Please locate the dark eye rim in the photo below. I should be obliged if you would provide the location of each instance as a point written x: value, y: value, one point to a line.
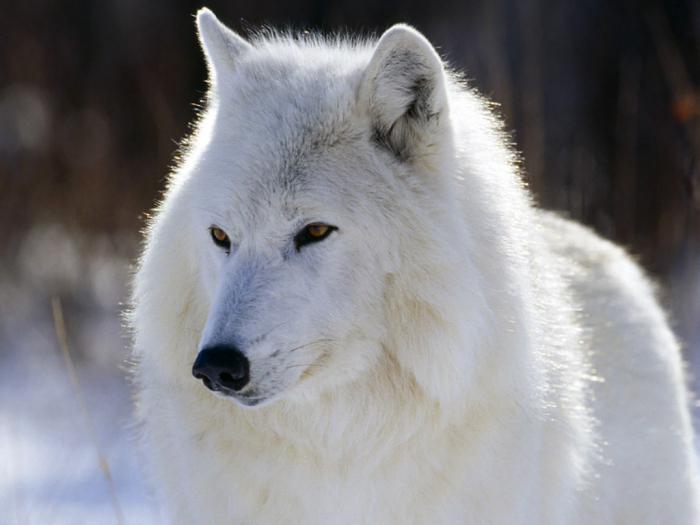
x: 225, y: 244
x: 304, y: 237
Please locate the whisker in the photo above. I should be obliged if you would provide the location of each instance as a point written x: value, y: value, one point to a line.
x: 309, y: 365
x: 317, y: 341
x: 263, y: 336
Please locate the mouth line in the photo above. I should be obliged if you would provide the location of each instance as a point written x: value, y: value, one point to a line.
x: 244, y: 399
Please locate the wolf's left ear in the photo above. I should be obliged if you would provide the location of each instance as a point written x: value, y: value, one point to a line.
x: 405, y: 92
x: 222, y: 47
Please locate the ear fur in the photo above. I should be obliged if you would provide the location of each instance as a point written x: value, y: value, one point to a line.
x: 405, y: 92
x: 221, y: 46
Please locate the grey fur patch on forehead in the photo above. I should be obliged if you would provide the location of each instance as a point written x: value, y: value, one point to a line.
x: 312, y: 73
x: 301, y: 107
x: 291, y: 86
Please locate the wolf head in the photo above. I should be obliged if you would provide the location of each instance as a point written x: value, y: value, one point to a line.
x: 320, y: 195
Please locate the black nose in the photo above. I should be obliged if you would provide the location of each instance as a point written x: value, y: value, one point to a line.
x: 222, y: 368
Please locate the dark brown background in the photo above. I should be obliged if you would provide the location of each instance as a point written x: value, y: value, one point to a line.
x: 601, y: 97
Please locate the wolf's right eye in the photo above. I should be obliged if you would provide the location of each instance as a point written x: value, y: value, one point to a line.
x: 220, y: 238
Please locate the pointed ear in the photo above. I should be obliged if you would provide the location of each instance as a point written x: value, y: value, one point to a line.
x: 221, y: 46
x: 405, y: 92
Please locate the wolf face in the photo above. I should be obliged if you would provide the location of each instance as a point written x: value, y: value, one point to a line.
x: 309, y: 171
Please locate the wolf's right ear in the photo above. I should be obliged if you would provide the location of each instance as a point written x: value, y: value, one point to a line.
x: 404, y: 90
x: 221, y: 45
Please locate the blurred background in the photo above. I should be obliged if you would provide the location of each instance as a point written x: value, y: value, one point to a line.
x: 602, y: 97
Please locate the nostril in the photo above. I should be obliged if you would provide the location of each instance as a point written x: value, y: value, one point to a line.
x: 235, y: 379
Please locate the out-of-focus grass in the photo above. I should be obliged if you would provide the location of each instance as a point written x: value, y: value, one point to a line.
x: 89, y: 425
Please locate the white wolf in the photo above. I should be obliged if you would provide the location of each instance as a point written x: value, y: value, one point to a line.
x: 347, y: 248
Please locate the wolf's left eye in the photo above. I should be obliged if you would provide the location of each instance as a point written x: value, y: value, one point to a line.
x: 311, y: 233
x: 220, y: 238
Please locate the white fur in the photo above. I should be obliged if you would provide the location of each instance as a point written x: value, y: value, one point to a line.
x: 472, y: 359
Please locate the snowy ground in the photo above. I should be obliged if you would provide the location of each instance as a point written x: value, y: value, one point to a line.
x: 49, y: 468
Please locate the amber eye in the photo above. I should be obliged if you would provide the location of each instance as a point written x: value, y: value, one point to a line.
x: 317, y: 230
x: 311, y: 233
x: 220, y: 238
